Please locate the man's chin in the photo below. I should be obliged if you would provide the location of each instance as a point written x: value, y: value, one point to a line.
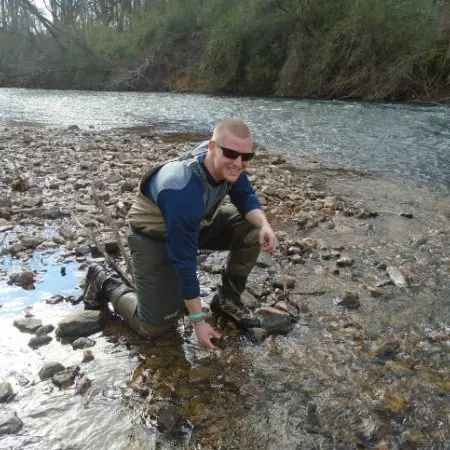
x: 232, y: 178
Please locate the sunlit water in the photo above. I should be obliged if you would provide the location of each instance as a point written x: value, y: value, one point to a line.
x: 320, y: 380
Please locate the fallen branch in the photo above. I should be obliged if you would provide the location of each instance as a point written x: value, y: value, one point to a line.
x: 105, y: 254
x: 116, y: 233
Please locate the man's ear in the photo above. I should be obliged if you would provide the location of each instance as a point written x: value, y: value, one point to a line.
x: 211, y: 145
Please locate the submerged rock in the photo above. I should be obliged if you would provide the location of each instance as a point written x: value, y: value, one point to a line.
x: 65, y: 377
x: 82, y: 342
x: 49, y: 369
x: 9, y: 423
x: 397, y: 277
x: 6, y: 391
x: 349, y: 300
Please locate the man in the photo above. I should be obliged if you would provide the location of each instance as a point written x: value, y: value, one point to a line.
x: 178, y: 210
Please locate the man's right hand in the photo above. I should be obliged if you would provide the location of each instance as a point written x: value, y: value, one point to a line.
x: 204, y: 332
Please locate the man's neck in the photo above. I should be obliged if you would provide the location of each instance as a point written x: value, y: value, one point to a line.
x: 210, y: 168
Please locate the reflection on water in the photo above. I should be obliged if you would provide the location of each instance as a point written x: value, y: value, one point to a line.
x: 402, y: 142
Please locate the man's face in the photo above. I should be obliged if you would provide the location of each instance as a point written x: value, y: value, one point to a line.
x: 227, y: 168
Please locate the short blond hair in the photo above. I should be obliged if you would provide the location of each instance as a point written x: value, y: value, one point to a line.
x: 233, y: 126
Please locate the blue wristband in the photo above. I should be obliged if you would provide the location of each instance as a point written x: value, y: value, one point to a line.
x: 197, y: 316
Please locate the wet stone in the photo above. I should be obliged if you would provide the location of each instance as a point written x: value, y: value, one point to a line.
x: 83, y: 384
x: 82, y: 342
x: 87, y: 356
x: 49, y: 369
x: 349, y: 300
x: 82, y: 323
x: 6, y: 391
x: 65, y: 377
x: 45, y: 329
x: 38, y: 341
x: 345, y: 261
x: 9, y: 423
x: 397, y: 277
x: 22, y: 279
x: 166, y: 415
x: 55, y: 299
x: 284, y: 281
x: 27, y: 324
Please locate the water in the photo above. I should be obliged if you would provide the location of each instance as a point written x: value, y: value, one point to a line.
x: 406, y: 143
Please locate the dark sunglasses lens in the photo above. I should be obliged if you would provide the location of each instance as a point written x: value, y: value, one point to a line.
x: 232, y: 154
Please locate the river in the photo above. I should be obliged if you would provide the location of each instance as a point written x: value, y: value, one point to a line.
x: 409, y: 143
x: 373, y: 378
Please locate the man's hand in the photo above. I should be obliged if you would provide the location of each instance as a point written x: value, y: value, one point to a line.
x: 204, y: 332
x: 267, y: 239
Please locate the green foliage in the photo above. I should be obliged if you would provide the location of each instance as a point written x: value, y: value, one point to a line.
x: 377, y: 49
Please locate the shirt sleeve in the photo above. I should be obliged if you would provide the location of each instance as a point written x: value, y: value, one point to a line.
x: 182, y: 210
x: 243, y: 196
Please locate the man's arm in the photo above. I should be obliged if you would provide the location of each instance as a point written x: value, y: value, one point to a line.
x: 267, y: 237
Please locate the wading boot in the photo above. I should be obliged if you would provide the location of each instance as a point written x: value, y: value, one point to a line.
x: 93, y: 297
x: 230, y: 306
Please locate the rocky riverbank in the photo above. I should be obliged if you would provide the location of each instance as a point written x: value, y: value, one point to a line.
x: 360, y: 288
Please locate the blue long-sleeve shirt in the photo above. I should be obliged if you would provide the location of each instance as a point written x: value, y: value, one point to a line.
x: 185, y: 200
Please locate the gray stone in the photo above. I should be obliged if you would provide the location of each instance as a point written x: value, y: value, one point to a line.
x: 49, y: 369
x: 82, y: 342
x: 345, y: 261
x: 28, y: 324
x: 9, y: 423
x: 265, y: 260
x: 82, y: 323
x: 55, y: 299
x: 248, y: 300
x: 397, y: 277
x: 349, y: 300
x: 45, y: 329
x: 6, y: 391
x: 84, y: 383
x: 38, y: 341
x: 65, y: 377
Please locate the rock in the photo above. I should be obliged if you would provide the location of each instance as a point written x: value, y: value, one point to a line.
x: 27, y: 324
x: 82, y: 342
x: 9, y: 423
x: 406, y: 215
x: 386, y: 350
x: 258, y: 334
x: 274, y: 320
x: 83, y: 384
x: 65, y: 377
x: 249, y: 300
x: 87, y: 356
x: 265, y: 260
x: 397, y: 277
x: 349, y: 300
x: 284, y: 281
x: 23, y: 279
x: 38, y: 341
x: 45, y: 329
x: 345, y: 261
x: 375, y: 291
x: 55, y: 299
x: 255, y: 288
x: 82, y: 250
x: 6, y: 391
x: 49, y: 369
x: 166, y: 415
x: 127, y: 186
x: 82, y: 323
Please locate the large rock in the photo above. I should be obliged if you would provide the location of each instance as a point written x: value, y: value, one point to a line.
x: 6, y: 391
x: 49, y: 369
x: 38, y: 341
x: 9, y: 423
x: 82, y: 323
x: 65, y: 377
x: 28, y: 324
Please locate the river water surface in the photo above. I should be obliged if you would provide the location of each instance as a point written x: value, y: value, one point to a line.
x: 313, y: 388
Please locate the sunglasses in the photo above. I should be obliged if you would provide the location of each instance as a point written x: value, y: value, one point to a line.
x: 233, y: 154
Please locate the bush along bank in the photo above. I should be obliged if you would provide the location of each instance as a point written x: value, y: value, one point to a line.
x: 370, y: 49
